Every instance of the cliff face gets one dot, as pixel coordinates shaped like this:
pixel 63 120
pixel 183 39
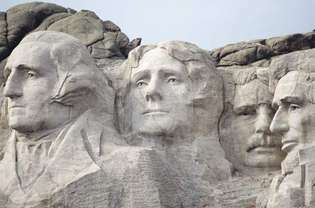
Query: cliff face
pixel 107 44
pixel 103 38
pixel 239 64
pixel 275 56
pixel 260 52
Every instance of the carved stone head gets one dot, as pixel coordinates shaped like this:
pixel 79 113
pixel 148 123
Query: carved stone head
pixel 245 123
pixel 295 118
pixel 172 88
pixel 50 80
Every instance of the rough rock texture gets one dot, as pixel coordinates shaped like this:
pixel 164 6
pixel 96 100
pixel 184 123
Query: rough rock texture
pixel 242 192
pixel 107 44
pixel 85 25
pixel 194 174
pixel 245 53
pixel 278 55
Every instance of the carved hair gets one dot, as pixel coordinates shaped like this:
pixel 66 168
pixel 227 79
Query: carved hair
pixel 246 75
pixel 78 76
pixel 295 61
pixel 206 82
pixel 306 80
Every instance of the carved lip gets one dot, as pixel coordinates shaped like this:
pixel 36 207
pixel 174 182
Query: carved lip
pixel 287 145
pixel 16 106
pixel 154 112
pixel 263 148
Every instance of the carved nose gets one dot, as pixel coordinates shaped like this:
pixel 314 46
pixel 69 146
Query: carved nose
pixel 152 92
pixel 12 88
pixel 279 122
pixel 263 120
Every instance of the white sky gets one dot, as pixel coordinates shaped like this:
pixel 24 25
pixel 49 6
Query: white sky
pixel 207 23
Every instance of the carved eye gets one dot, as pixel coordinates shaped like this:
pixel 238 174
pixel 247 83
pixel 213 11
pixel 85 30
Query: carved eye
pixel 140 83
pixel 247 112
pixel 294 107
pixel 31 74
pixel 172 80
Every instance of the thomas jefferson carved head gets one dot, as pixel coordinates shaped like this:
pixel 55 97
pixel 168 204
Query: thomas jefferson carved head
pixel 171 88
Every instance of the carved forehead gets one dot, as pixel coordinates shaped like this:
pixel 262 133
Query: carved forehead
pixel 294 85
pixel 251 94
pixel 159 60
pixel 30 53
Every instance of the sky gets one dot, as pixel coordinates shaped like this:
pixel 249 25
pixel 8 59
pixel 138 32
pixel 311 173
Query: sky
pixel 208 23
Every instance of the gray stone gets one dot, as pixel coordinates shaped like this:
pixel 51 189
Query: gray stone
pixel 294 61
pixel 3 36
pixel 131 45
pixel 294 121
pixel 83 25
pixel 160 115
pixel 242 191
pixel 243 54
pixel 288 43
pixel 23 18
pixel 244 124
pixel 42 124
pixel 50 20
pixel 110 26
pixel 107 48
pixel 310 37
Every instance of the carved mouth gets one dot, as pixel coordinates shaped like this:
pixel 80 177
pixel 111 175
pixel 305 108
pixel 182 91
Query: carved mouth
pixel 262 148
pixel 154 112
pixel 266 150
pixel 16 106
pixel 287 145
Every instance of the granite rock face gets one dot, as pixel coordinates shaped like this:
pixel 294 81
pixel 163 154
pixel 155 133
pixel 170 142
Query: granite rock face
pixel 67 149
pixel 246 53
pixel 104 122
pixel 105 41
pixel 85 25
pixel 287 55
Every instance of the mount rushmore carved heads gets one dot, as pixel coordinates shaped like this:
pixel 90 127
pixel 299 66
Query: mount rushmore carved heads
pixel 245 124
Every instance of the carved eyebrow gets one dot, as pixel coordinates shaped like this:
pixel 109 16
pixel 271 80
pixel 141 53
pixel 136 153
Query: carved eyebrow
pixel 169 71
pixel 245 108
pixel 293 99
pixel 26 67
pixel 140 74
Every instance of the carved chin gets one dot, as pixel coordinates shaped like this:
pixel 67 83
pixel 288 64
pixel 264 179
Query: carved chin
pixel 267 158
pixel 162 125
pixel 25 124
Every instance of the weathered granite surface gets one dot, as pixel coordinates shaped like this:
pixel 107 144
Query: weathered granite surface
pixel 246 53
pixel 105 41
pixel 277 57
pixel 186 128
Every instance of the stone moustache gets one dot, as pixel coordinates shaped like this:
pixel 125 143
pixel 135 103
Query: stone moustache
pixel 244 125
